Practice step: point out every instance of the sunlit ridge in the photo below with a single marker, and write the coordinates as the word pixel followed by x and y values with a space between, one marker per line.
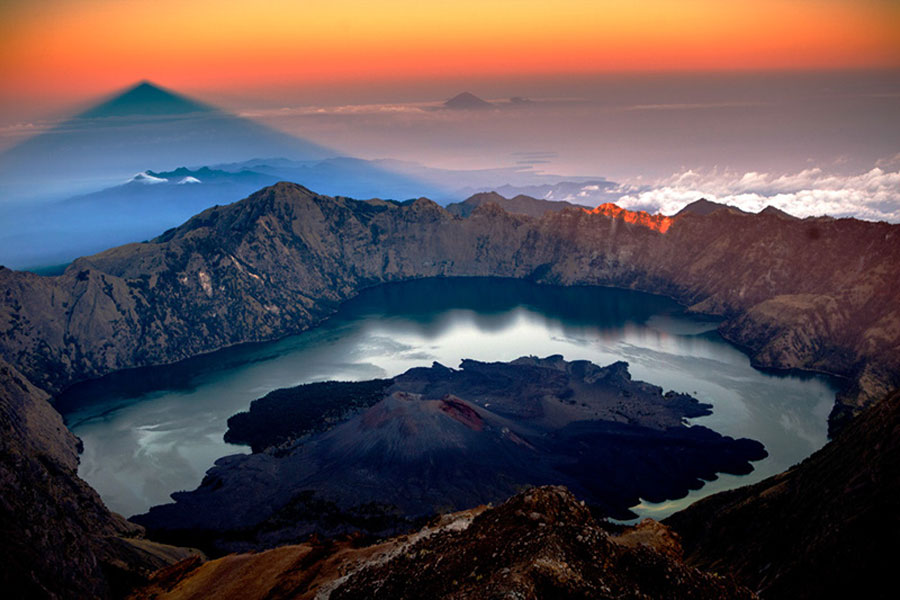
pixel 658 223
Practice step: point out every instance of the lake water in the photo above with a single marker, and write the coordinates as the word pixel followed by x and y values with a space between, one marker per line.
pixel 150 432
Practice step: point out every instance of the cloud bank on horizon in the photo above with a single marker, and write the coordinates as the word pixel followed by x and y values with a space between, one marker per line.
pixel 809 144
pixel 872 195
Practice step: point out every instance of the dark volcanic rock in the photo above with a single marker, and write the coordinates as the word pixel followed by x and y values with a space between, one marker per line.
pixel 521 205
pixel 439 440
pixel 827 528
pixel 539 544
pixel 58 539
pixel 286 414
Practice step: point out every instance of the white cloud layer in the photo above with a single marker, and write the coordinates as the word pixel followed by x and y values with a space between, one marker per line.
pixel 872 195
pixel 147 178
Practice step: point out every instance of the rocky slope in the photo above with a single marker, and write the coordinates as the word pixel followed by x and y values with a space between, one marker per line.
pixel 818 294
pixel 394 453
pixel 519 205
pixel 58 539
pixel 704 207
pixel 827 528
pixel 541 543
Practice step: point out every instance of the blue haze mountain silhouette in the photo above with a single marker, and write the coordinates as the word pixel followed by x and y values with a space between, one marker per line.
pixel 137 164
pixel 148 159
pixel 145 127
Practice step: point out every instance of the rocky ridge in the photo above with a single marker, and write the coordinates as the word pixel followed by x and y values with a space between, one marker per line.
pixel 541 543
pixel 817 294
pixel 59 540
pixel 826 528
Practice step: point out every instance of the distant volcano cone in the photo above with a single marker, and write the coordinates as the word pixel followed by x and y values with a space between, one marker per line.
pixel 145 127
pixel 467 101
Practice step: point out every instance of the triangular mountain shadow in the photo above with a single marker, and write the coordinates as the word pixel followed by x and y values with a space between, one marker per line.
pixel 146 99
pixel 145 126
pixel 85 170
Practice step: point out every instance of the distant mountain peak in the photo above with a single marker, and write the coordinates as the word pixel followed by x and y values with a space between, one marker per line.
pixel 146 98
pixel 482 197
pixel 777 212
pixel 467 100
pixel 521 204
pixel 703 207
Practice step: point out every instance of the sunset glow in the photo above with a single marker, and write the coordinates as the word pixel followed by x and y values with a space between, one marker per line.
pixel 84 47
pixel 655 222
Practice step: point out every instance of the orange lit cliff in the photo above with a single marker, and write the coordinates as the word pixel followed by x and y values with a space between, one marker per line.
pixel 658 223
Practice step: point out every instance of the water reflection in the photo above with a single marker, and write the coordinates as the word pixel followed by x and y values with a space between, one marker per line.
pixel 149 432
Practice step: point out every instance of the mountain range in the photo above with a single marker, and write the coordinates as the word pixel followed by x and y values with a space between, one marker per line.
pixel 142 127
pixel 816 294
pixel 789 289
pixel 542 543
pixel 114 174
pixel 520 204
pixel 151 202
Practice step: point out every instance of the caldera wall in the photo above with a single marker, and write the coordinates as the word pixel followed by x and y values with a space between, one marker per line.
pixel 817 294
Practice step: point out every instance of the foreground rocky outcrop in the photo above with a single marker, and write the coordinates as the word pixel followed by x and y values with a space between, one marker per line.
pixel 827 528
pixel 817 294
pixel 58 539
pixel 380 457
pixel 542 543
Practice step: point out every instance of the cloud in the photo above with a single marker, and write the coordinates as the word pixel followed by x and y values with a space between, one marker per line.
pixel 537 154
pixel 695 105
pixel 890 162
pixel 872 195
pixel 430 109
pixel 13 133
pixel 346 109
pixel 148 179
pixel 534 157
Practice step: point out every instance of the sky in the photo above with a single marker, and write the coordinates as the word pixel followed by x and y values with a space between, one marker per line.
pixel 671 99
pixel 72 50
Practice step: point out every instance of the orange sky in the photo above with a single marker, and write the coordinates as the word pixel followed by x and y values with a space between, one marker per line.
pixel 78 48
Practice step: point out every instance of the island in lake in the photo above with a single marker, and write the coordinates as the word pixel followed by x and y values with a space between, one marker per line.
pixel 386 455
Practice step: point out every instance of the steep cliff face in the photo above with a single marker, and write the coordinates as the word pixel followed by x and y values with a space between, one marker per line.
pixel 818 294
pixel 59 540
pixel 827 528
pixel 541 543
